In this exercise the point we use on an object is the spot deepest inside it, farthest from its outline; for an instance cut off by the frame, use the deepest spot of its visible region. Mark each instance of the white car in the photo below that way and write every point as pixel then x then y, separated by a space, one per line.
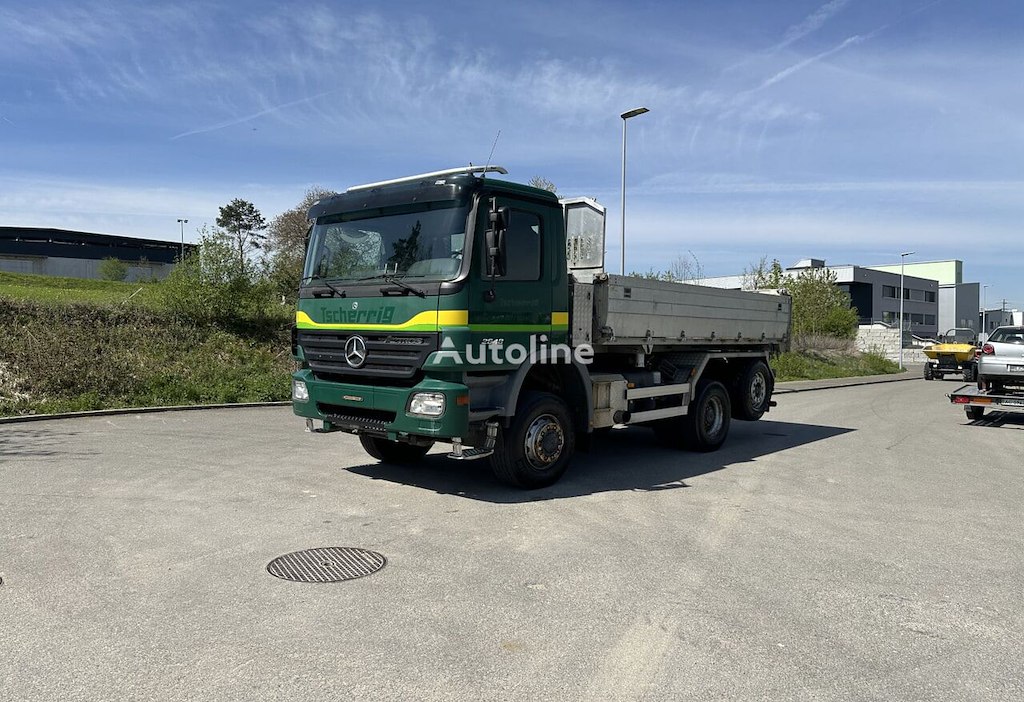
pixel 1001 361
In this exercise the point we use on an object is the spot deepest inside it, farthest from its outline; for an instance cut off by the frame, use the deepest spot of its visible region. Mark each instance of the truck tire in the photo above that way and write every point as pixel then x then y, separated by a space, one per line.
pixel 975 412
pixel 706 425
pixel 752 392
pixel 708 420
pixel 534 451
pixel 928 372
pixel 969 374
pixel 392 451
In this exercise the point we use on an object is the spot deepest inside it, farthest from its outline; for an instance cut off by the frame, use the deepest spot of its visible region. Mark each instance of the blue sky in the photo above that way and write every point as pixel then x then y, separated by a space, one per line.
pixel 848 130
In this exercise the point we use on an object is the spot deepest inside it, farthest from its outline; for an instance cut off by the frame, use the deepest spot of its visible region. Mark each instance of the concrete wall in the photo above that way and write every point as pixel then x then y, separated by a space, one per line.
pixel 886 342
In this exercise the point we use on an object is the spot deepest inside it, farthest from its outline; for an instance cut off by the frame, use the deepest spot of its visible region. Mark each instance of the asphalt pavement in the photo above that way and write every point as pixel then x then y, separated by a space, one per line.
pixel 859 543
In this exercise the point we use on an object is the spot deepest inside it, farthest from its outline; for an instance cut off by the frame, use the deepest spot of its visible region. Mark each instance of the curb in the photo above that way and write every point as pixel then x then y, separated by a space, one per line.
pixel 832 383
pixel 134 410
pixel 784 388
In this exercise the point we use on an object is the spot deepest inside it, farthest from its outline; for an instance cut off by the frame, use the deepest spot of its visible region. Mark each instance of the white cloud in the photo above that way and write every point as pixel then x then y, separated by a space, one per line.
pixel 812 23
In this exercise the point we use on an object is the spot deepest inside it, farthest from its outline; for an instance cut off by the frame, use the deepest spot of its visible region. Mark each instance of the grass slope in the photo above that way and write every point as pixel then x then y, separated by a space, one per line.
pixel 54 289
pixel 57 357
pixel 817 365
pixel 68 344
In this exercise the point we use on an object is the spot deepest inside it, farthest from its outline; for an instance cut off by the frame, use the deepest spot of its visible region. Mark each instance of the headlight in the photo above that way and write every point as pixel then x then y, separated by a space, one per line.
pixel 427 404
pixel 300 393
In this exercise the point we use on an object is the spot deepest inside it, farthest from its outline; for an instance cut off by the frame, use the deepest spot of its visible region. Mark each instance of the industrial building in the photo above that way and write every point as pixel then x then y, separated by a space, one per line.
pixel 875 293
pixel 78 254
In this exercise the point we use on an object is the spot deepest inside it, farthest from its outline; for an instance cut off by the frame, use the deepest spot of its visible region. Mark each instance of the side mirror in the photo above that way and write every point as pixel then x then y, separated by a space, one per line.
pixel 495 241
pixel 494 238
pixel 500 218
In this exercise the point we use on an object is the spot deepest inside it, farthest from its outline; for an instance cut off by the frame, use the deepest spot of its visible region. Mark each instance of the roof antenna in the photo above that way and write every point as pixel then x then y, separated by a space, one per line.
pixel 496 136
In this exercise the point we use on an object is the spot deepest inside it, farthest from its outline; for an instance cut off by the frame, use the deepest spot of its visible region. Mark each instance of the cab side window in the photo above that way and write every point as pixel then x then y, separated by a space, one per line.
pixel 522 247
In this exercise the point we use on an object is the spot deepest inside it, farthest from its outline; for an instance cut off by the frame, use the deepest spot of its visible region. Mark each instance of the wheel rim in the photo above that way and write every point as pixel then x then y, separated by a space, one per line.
pixel 544 441
pixel 713 417
pixel 758 390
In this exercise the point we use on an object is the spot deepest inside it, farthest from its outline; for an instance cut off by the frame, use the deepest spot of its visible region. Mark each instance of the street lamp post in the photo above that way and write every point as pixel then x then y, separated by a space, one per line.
pixel 984 310
pixel 182 223
pixel 622 238
pixel 903 258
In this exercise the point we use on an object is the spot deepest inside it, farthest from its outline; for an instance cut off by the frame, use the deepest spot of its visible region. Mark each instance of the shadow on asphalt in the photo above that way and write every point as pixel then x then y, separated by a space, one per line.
pixel 26 442
pixel 996 420
pixel 626 459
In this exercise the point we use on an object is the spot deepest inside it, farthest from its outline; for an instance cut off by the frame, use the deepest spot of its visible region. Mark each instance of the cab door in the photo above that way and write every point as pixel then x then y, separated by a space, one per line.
pixel 519 311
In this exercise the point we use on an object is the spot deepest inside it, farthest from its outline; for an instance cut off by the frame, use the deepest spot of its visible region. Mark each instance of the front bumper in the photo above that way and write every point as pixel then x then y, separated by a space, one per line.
pixel 383 411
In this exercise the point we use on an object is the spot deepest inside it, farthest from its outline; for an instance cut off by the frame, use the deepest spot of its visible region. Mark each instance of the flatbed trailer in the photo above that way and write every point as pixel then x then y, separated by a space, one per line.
pixel 975 402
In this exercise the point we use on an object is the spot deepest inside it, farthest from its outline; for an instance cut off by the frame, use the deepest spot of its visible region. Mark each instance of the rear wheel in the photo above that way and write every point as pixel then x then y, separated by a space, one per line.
pixel 392 451
pixel 975 412
pixel 752 392
pixel 706 425
pixel 534 451
pixel 968 374
pixel 928 372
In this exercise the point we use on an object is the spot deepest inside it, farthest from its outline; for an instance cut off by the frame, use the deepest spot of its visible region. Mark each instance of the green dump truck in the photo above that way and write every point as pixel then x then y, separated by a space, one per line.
pixel 459 308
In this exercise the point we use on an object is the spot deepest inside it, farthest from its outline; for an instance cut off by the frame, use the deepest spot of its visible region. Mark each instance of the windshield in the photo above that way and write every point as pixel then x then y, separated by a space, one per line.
pixel 425 244
pixel 1008 335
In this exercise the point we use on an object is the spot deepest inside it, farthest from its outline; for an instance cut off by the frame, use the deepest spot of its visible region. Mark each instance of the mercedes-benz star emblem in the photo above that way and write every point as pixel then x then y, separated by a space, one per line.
pixel 355 351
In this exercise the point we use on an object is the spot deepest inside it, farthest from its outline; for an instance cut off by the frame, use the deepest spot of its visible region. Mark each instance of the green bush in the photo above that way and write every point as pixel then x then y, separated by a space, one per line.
pixel 209 288
pixel 113 269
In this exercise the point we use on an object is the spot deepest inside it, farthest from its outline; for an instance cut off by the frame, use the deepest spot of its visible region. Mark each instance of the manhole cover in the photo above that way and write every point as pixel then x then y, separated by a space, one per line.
pixel 326 565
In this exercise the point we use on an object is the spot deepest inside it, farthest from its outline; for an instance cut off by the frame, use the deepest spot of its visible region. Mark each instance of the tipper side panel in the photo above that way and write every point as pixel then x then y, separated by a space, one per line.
pixel 631 310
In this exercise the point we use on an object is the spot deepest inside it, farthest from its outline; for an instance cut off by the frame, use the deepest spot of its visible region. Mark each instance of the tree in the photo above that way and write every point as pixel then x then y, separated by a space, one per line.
pixel 687 269
pixel 113 269
pixel 244 225
pixel 543 184
pixel 764 276
pixel 684 269
pixel 286 244
pixel 820 307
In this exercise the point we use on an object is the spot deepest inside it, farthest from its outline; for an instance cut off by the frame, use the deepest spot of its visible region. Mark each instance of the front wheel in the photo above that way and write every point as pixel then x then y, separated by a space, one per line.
pixel 392 451
pixel 536 449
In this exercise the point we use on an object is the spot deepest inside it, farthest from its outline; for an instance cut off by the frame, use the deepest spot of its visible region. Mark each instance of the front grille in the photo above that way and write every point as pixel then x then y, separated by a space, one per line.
pixel 393 356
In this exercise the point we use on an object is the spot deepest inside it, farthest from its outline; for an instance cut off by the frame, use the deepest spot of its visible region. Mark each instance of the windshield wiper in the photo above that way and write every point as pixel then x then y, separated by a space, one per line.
pixel 391 278
pixel 335 290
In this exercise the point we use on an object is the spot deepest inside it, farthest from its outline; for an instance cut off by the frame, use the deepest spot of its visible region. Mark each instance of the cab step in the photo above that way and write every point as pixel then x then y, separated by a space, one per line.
pixel 460 453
